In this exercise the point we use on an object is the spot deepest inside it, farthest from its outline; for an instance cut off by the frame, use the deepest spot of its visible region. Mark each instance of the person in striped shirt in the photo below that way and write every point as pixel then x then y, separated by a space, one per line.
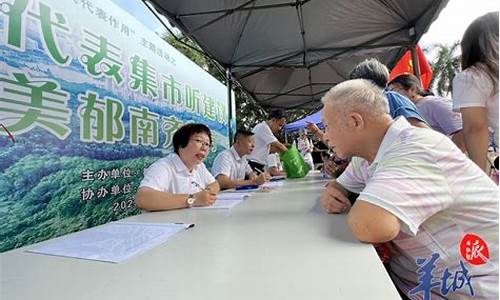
pixel 417 191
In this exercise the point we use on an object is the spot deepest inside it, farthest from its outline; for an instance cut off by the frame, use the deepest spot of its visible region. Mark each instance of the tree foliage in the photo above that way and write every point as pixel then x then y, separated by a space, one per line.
pixel 47 200
pixel 195 54
pixel 444 68
pixel 248 111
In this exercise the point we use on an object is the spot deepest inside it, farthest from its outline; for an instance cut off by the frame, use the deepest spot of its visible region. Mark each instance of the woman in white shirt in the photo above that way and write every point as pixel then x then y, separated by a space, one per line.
pixel 475 89
pixel 180 180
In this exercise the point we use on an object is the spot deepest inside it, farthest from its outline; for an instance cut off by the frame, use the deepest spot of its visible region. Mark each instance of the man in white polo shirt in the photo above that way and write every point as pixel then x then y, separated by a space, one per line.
pixel 418 193
pixel 231 166
pixel 180 180
pixel 265 141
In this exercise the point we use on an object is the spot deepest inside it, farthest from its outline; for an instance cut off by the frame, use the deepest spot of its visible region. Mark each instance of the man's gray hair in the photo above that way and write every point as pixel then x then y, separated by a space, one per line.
pixel 359 95
pixel 373 70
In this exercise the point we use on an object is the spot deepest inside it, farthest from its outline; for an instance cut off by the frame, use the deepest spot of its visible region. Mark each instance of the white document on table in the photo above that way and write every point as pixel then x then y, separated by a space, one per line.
pixel 220 204
pixel 226 201
pixel 113 242
pixel 273 184
pixel 233 196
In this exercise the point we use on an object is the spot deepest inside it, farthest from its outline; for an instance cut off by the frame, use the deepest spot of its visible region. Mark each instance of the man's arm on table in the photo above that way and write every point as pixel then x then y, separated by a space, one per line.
pixel 372 224
pixel 227 183
pixel 368 223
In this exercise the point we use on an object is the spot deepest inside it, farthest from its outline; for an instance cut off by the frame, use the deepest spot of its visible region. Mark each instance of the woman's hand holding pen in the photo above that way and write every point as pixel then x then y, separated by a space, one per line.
pixel 204 198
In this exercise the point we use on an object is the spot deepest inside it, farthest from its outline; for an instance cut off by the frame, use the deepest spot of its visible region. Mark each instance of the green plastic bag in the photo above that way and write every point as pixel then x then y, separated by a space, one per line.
pixel 293 163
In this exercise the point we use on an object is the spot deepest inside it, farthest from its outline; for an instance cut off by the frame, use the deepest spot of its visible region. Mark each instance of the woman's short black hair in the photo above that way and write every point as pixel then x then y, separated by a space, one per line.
pixel 184 133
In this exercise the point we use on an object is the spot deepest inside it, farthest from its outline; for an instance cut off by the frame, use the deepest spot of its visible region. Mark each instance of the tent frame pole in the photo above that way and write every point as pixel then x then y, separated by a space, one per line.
pixel 229 82
pixel 414 62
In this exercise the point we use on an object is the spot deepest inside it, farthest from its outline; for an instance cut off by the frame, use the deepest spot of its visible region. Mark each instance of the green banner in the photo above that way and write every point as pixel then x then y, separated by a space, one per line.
pixel 89 97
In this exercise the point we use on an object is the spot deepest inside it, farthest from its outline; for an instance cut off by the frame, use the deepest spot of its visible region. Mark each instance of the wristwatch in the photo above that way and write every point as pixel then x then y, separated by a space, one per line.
pixel 190 200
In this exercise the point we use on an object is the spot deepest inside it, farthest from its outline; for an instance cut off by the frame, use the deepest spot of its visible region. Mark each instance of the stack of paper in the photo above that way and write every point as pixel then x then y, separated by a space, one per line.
pixel 226 200
pixel 273 184
pixel 233 195
pixel 112 242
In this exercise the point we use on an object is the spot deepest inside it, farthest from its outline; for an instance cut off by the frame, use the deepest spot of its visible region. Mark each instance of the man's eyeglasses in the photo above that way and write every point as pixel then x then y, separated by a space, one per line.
pixel 202 143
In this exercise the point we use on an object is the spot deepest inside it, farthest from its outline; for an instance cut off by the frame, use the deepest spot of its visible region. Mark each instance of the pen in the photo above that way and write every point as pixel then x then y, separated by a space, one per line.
pixel 189 225
pixel 196 184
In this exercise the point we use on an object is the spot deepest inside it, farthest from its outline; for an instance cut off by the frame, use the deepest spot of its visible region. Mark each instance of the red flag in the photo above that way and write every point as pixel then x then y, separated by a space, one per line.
pixel 405 66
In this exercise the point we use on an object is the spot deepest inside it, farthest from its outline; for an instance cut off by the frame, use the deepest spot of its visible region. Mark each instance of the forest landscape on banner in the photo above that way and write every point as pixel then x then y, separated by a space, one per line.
pixel 88 98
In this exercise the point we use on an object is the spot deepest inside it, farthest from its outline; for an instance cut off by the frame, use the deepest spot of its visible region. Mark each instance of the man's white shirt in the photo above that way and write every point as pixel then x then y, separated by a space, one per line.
pixel 229 163
pixel 264 137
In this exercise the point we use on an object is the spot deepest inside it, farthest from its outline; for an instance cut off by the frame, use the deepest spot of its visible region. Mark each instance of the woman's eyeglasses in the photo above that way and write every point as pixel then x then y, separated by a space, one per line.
pixel 202 143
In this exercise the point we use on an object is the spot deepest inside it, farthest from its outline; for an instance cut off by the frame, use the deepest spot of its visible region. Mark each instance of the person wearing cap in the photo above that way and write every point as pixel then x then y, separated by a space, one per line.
pixel 231 167
pixel 417 193
pixel 266 141
pixel 180 180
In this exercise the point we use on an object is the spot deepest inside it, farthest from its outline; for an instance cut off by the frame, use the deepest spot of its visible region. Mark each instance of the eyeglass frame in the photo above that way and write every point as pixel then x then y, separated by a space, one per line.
pixel 201 142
